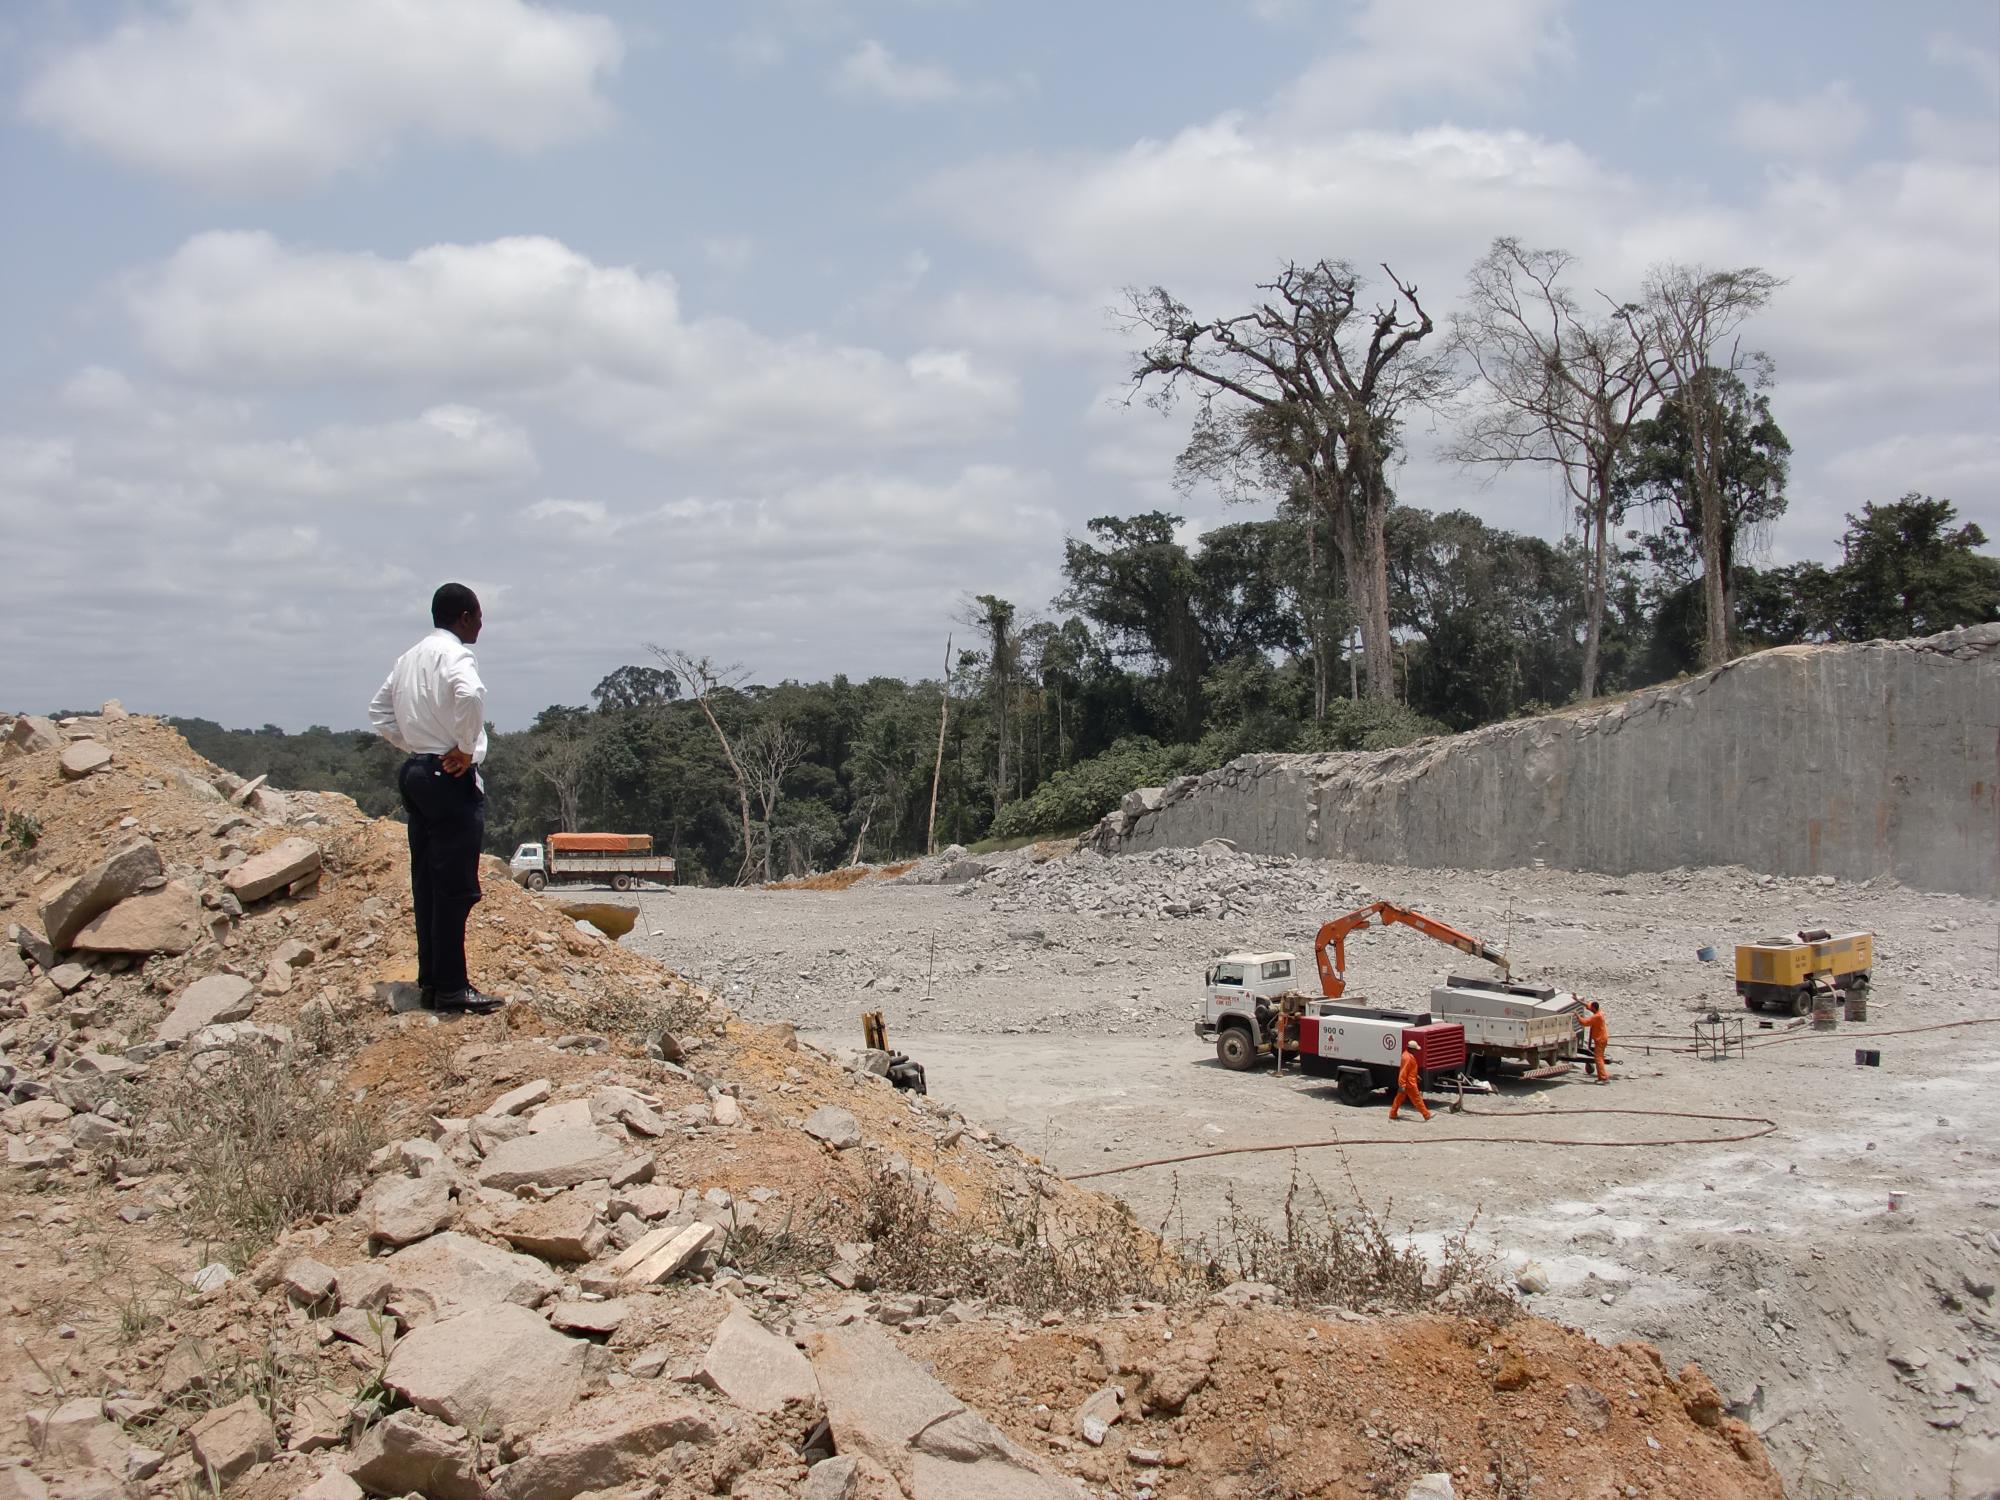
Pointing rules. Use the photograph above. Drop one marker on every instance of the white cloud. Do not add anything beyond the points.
(872, 71)
(1820, 124)
(270, 93)
(1400, 52)
(1224, 202)
(608, 344)
(447, 447)
(1982, 63)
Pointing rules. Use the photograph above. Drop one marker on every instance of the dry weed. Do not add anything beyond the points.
(261, 1142)
(1319, 1255)
(1089, 1257)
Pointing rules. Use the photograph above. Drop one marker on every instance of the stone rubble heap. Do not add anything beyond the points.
(629, 1259)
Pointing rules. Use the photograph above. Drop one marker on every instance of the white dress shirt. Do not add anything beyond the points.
(433, 701)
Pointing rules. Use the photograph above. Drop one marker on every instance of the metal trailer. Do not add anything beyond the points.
(1511, 1025)
(1783, 974)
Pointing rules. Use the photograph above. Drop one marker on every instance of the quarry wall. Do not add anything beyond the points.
(1853, 761)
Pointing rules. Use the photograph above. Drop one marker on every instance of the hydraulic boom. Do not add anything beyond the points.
(1333, 971)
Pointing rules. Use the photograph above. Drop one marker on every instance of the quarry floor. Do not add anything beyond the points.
(1853, 1336)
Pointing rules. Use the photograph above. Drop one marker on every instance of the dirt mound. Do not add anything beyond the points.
(273, 1230)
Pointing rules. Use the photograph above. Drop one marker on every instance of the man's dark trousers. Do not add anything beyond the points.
(447, 826)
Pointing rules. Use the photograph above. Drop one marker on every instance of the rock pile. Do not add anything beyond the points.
(276, 1233)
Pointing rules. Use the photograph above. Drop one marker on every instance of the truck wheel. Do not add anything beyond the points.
(536, 880)
(1234, 1049)
(1751, 1002)
(1801, 1002)
(1355, 1087)
(621, 882)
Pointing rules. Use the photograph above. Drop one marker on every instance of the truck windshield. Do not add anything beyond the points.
(1229, 974)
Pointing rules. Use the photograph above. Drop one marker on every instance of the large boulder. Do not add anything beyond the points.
(451, 1273)
(273, 870)
(551, 1159)
(82, 759)
(167, 920)
(494, 1367)
(881, 1405)
(233, 1438)
(756, 1368)
(73, 903)
(211, 999)
(31, 732)
(834, 1125)
(412, 1453)
(606, 1443)
(565, 1228)
(403, 1210)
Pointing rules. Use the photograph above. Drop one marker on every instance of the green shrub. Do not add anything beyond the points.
(1368, 724)
(1079, 796)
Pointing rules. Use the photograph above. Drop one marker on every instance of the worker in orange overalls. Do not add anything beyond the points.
(1600, 1038)
(1408, 1090)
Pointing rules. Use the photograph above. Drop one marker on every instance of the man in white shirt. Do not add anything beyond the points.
(433, 708)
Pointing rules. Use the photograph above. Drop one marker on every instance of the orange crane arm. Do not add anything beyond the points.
(1333, 971)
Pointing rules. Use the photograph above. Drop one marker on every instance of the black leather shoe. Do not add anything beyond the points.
(465, 999)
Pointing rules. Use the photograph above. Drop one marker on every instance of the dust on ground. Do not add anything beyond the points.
(1858, 1340)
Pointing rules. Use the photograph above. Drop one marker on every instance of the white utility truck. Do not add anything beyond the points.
(1251, 1005)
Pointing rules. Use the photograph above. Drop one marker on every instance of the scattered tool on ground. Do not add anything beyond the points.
(895, 1066)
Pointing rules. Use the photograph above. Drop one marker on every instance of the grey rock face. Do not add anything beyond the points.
(1853, 761)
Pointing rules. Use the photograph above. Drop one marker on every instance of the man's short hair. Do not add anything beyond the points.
(452, 603)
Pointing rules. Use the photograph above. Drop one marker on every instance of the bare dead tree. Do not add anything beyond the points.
(1688, 324)
(1556, 387)
(1328, 380)
(937, 771)
(771, 752)
(561, 756)
(702, 679)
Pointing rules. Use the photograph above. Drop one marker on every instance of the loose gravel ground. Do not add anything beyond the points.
(1055, 1001)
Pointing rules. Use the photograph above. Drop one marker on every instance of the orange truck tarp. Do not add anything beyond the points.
(601, 843)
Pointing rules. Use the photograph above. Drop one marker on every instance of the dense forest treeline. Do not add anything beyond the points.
(1159, 660)
(1342, 621)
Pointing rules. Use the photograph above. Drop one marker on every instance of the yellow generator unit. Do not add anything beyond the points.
(1784, 973)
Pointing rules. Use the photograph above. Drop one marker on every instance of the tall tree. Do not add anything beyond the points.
(563, 746)
(1321, 384)
(635, 687)
(703, 679)
(1557, 386)
(771, 751)
(1908, 571)
(1689, 322)
(995, 616)
(1751, 463)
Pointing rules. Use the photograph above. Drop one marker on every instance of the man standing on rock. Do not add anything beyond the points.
(433, 708)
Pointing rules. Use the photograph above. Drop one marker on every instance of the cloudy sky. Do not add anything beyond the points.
(772, 329)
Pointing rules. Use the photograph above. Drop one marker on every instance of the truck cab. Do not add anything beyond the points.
(1235, 989)
(527, 859)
